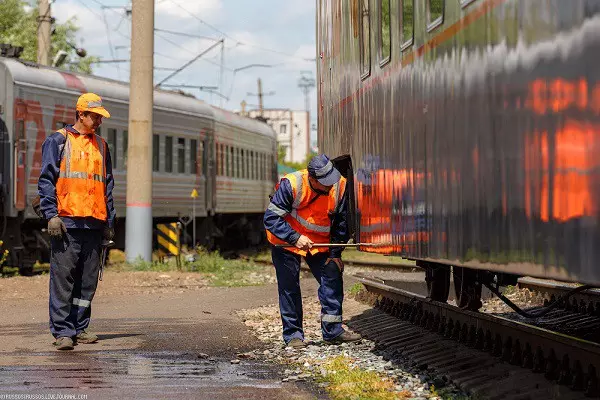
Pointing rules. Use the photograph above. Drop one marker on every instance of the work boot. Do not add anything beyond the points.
(344, 337)
(64, 343)
(296, 343)
(86, 337)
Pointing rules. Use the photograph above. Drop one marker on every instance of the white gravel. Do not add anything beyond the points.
(307, 363)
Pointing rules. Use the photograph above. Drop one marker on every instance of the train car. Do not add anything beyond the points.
(473, 127)
(189, 140)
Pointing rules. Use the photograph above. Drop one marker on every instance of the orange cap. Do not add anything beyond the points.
(93, 103)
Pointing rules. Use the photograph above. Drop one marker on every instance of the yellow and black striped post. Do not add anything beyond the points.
(168, 240)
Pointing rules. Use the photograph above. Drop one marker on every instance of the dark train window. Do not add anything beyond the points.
(244, 171)
(408, 23)
(219, 159)
(125, 144)
(238, 165)
(230, 162)
(181, 155)
(168, 154)
(193, 156)
(253, 164)
(385, 39)
(365, 44)
(435, 13)
(200, 157)
(111, 141)
(155, 153)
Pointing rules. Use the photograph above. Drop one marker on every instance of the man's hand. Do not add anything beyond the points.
(108, 233)
(337, 261)
(304, 243)
(56, 227)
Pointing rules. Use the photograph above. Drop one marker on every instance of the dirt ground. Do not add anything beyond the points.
(163, 335)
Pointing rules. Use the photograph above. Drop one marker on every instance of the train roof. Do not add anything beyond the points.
(30, 74)
(250, 124)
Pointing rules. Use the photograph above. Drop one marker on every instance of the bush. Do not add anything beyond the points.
(3, 254)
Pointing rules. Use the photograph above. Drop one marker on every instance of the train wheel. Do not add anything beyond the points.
(437, 277)
(467, 289)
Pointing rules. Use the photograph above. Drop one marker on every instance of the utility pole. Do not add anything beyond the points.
(306, 83)
(138, 238)
(43, 32)
(260, 95)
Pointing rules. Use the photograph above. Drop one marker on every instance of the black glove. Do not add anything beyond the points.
(108, 233)
(56, 227)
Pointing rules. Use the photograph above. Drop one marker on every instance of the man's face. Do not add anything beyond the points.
(91, 120)
(316, 185)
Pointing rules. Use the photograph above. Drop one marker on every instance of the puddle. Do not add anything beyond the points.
(132, 371)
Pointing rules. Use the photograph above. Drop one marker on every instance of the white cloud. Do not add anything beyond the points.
(183, 9)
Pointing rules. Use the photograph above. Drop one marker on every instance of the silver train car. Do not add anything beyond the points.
(230, 160)
(473, 130)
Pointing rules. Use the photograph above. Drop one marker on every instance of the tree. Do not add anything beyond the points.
(18, 27)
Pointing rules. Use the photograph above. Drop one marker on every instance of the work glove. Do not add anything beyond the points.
(304, 243)
(108, 233)
(56, 227)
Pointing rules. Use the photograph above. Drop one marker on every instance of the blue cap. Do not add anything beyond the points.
(322, 169)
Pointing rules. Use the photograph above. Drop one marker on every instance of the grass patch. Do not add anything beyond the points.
(356, 289)
(218, 270)
(348, 382)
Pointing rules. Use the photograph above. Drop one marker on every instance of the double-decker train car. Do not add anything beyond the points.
(473, 127)
(230, 160)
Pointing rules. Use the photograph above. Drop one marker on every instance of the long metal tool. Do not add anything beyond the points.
(105, 245)
(339, 245)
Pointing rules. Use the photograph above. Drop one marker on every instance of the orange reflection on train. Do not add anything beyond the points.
(561, 176)
(557, 95)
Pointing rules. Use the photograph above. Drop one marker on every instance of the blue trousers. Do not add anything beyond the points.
(331, 293)
(74, 267)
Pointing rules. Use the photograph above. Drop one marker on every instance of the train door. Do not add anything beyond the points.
(4, 168)
(20, 165)
(209, 168)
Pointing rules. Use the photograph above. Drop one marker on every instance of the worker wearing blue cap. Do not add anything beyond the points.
(309, 207)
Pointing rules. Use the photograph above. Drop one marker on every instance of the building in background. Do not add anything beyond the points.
(293, 131)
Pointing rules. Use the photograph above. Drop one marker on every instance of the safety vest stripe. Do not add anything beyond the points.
(80, 302)
(272, 207)
(299, 189)
(331, 318)
(81, 175)
(308, 225)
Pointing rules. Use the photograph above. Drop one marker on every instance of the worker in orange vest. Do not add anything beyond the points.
(309, 207)
(75, 188)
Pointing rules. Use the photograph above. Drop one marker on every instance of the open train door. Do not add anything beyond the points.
(20, 166)
(344, 165)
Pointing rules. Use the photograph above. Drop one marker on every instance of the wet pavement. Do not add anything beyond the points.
(180, 345)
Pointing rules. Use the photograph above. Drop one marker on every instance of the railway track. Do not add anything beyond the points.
(587, 301)
(490, 356)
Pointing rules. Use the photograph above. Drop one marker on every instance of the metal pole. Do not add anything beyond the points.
(260, 97)
(43, 33)
(194, 224)
(221, 71)
(138, 238)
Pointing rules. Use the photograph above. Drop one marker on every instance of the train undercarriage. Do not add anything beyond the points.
(28, 243)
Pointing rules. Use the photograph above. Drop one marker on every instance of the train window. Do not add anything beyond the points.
(181, 155)
(200, 158)
(155, 153)
(435, 13)
(365, 46)
(194, 156)
(227, 161)
(168, 154)
(252, 166)
(230, 162)
(407, 28)
(111, 141)
(125, 144)
(283, 128)
(244, 171)
(385, 40)
(98, 131)
(219, 160)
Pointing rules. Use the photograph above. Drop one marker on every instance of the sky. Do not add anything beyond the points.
(276, 33)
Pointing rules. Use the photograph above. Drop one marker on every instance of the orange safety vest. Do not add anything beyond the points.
(309, 217)
(81, 184)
